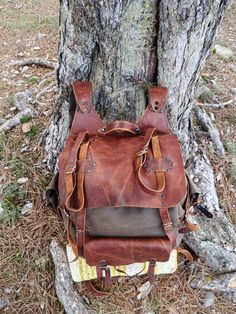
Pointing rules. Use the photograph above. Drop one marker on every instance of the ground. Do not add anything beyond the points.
(29, 29)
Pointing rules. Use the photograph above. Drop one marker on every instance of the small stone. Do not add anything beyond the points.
(24, 69)
(211, 114)
(232, 67)
(3, 303)
(1, 210)
(8, 290)
(208, 300)
(41, 36)
(27, 208)
(46, 113)
(26, 127)
(12, 109)
(22, 180)
(233, 90)
(20, 54)
(223, 52)
(8, 116)
(36, 48)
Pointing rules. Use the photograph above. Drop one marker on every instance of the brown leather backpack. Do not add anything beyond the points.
(123, 192)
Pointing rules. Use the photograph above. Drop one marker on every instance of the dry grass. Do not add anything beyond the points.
(27, 275)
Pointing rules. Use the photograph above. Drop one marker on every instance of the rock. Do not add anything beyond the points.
(3, 303)
(24, 69)
(47, 113)
(22, 180)
(1, 210)
(41, 36)
(12, 109)
(232, 67)
(223, 52)
(36, 48)
(2, 120)
(233, 90)
(26, 127)
(8, 116)
(8, 290)
(27, 208)
(208, 300)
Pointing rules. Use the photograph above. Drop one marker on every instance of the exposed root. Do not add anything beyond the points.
(37, 62)
(205, 122)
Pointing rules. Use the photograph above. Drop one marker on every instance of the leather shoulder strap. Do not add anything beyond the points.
(83, 95)
(157, 96)
(86, 118)
(154, 115)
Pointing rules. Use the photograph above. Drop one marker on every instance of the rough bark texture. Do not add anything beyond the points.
(66, 291)
(122, 46)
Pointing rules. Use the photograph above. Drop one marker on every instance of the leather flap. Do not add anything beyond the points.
(124, 251)
(114, 180)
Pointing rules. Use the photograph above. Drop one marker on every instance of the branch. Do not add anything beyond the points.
(14, 121)
(205, 121)
(38, 62)
(65, 289)
(216, 106)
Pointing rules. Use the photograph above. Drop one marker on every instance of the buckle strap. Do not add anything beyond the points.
(167, 224)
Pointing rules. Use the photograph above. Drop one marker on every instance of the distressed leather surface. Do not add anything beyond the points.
(113, 182)
(124, 251)
(119, 220)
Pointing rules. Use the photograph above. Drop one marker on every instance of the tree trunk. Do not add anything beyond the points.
(122, 46)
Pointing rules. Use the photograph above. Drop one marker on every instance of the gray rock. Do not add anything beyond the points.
(209, 300)
(232, 67)
(27, 208)
(22, 180)
(233, 90)
(223, 52)
(1, 210)
(2, 120)
(3, 303)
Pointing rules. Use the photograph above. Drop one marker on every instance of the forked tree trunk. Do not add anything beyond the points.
(124, 45)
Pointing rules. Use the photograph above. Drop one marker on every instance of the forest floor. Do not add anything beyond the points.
(29, 29)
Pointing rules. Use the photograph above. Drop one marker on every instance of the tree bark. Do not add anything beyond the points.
(122, 46)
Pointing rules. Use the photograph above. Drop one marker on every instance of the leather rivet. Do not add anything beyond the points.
(162, 196)
(145, 165)
(85, 109)
(94, 164)
(103, 129)
(137, 130)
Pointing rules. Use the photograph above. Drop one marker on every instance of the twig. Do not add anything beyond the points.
(205, 121)
(14, 121)
(37, 61)
(216, 106)
(66, 291)
(44, 90)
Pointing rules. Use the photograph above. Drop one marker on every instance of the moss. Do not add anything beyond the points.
(33, 132)
(13, 196)
(231, 148)
(25, 119)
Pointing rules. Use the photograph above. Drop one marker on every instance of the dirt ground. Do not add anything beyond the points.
(29, 29)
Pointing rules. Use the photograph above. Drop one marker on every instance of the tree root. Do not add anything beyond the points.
(205, 122)
(223, 284)
(216, 106)
(215, 243)
(38, 62)
(65, 289)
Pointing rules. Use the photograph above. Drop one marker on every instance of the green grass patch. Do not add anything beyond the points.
(3, 86)
(19, 167)
(231, 148)
(33, 132)
(12, 200)
(25, 119)
(205, 97)
(34, 80)
(231, 118)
